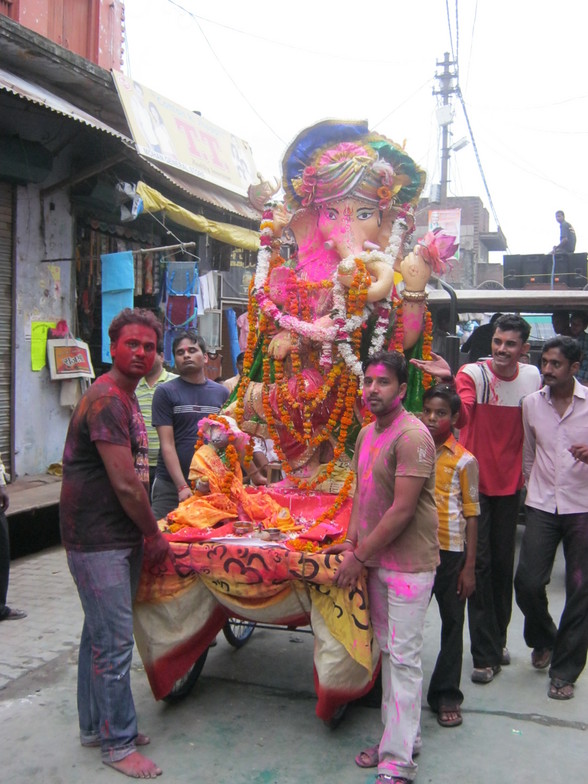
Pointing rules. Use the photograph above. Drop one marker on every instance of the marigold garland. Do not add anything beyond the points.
(334, 349)
(427, 347)
(397, 340)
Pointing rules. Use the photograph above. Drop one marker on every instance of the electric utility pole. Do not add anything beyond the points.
(447, 87)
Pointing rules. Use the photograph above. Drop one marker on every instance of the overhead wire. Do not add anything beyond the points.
(472, 40)
(458, 92)
(449, 30)
(402, 103)
(285, 44)
(517, 162)
(456, 58)
(228, 75)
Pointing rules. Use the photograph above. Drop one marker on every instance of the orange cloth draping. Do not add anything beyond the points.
(228, 499)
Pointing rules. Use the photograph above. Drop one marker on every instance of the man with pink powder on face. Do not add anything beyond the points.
(393, 532)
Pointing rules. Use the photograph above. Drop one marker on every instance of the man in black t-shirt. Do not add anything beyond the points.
(178, 407)
(106, 526)
(567, 235)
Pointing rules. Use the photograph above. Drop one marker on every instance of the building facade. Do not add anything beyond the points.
(473, 268)
(65, 148)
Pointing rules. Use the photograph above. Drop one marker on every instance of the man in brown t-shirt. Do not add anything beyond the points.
(393, 532)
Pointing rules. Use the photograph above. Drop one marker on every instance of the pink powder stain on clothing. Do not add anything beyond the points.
(399, 586)
(413, 321)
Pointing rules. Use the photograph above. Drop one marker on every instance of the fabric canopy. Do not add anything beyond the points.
(153, 201)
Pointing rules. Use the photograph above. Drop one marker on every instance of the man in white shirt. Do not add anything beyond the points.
(555, 466)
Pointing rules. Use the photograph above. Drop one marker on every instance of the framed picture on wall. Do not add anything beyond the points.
(69, 358)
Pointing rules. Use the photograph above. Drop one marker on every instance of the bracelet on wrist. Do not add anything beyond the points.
(350, 542)
(183, 487)
(151, 537)
(357, 558)
(415, 296)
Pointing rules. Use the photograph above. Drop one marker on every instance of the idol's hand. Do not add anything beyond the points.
(280, 345)
(281, 219)
(415, 271)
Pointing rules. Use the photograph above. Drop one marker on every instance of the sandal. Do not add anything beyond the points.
(12, 614)
(560, 690)
(384, 778)
(449, 716)
(368, 758)
(541, 658)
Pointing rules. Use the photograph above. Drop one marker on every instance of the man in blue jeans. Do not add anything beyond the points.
(106, 524)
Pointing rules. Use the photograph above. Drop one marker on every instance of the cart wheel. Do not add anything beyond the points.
(183, 686)
(238, 632)
(337, 717)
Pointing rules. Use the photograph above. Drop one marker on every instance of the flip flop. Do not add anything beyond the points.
(560, 690)
(541, 658)
(443, 716)
(368, 758)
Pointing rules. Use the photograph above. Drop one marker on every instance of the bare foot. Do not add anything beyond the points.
(136, 766)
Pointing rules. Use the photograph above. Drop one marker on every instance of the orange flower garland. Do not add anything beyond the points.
(427, 344)
(397, 341)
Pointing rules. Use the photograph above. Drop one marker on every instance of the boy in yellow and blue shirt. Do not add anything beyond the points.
(456, 495)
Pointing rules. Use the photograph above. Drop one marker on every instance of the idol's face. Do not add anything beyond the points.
(218, 437)
(348, 224)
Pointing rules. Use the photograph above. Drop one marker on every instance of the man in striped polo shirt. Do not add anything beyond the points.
(144, 392)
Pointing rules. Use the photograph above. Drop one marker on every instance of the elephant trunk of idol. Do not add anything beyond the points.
(381, 273)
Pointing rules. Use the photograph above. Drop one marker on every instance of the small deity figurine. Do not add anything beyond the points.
(217, 479)
(324, 295)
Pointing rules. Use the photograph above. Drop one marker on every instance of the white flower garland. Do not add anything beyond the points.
(343, 327)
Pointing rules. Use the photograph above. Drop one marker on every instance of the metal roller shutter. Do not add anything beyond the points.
(6, 343)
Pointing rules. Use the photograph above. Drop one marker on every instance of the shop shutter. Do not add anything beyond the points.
(6, 342)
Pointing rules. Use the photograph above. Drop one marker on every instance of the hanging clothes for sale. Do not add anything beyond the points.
(181, 312)
(118, 284)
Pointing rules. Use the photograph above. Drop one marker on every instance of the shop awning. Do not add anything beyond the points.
(239, 237)
(41, 97)
(206, 192)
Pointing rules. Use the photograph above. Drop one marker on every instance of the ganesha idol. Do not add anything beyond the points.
(334, 284)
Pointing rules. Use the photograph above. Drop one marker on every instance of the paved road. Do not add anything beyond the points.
(250, 718)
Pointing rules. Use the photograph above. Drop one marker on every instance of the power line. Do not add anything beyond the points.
(284, 44)
(402, 103)
(449, 30)
(446, 90)
(472, 40)
(228, 75)
(477, 154)
(456, 58)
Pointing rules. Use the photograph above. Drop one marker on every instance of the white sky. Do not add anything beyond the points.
(266, 70)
